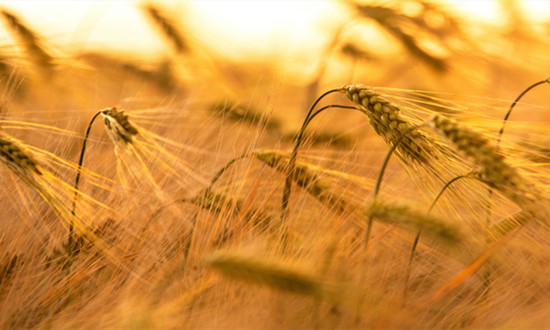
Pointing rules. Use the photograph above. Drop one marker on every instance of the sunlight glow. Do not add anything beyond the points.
(259, 27)
(236, 28)
(89, 25)
(538, 11)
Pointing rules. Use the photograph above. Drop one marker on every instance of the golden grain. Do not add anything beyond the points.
(14, 156)
(387, 121)
(406, 216)
(118, 126)
(316, 186)
(275, 275)
(492, 167)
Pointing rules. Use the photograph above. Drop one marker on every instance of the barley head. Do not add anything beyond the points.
(118, 126)
(275, 275)
(492, 167)
(387, 121)
(406, 216)
(14, 156)
(316, 186)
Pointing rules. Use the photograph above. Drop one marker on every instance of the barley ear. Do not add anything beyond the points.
(493, 169)
(416, 220)
(386, 119)
(275, 275)
(119, 128)
(15, 157)
(304, 177)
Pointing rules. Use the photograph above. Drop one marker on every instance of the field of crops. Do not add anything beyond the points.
(396, 177)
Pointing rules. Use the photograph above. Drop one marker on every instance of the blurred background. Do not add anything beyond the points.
(213, 80)
(272, 57)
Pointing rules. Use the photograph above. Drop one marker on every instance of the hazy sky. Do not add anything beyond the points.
(233, 27)
(229, 26)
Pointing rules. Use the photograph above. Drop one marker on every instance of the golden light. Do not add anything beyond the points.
(261, 27)
(90, 25)
(235, 29)
(537, 11)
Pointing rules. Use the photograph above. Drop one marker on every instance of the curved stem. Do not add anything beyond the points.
(490, 189)
(417, 238)
(337, 106)
(547, 80)
(216, 177)
(75, 197)
(447, 185)
(81, 160)
(292, 159)
(381, 175)
(388, 156)
(504, 121)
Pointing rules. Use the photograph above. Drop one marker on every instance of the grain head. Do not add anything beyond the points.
(15, 157)
(493, 169)
(404, 215)
(386, 119)
(118, 126)
(275, 275)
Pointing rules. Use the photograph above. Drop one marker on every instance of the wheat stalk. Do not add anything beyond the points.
(161, 75)
(324, 191)
(311, 114)
(393, 21)
(54, 191)
(497, 174)
(240, 113)
(139, 144)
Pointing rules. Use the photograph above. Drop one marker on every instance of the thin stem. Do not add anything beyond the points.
(216, 177)
(388, 156)
(292, 160)
(447, 185)
(337, 106)
(504, 121)
(487, 272)
(417, 238)
(75, 197)
(547, 80)
(381, 176)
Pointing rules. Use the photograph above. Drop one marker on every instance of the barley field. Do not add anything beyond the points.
(391, 172)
